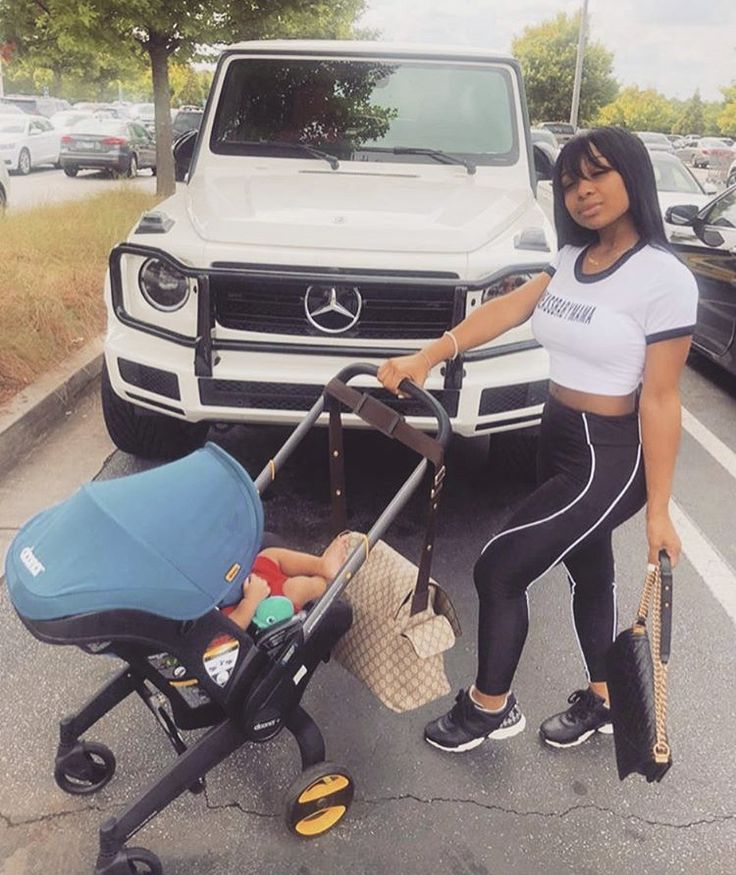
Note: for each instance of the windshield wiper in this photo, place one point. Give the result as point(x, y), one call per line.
point(435, 153)
point(285, 144)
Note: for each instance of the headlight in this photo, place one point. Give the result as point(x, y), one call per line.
point(164, 287)
point(505, 284)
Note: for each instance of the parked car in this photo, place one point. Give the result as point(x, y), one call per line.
point(676, 184)
point(187, 118)
point(316, 231)
point(731, 177)
point(145, 114)
point(107, 144)
point(711, 255)
point(655, 142)
point(10, 109)
point(563, 131)
point(27, 141)
point(36, 104)
point(4, 187)
point(710, 151)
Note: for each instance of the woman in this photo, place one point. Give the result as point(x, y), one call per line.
point(616, 311)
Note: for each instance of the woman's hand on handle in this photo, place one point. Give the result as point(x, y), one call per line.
point(661, 535)
point(414, 367)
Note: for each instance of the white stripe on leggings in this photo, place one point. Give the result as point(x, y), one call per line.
point(558, 512)
point(599, 520)
point(572, 611)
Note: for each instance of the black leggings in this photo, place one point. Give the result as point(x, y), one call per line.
point(591, 479)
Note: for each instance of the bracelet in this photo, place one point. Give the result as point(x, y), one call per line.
point(426, 359)
point(454, 343)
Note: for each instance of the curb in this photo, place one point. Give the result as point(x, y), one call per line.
point(30, 414)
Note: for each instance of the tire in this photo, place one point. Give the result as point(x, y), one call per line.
point(24, 162)
point(132, 170)
point(3, 200)
point(514, 454)
point(71, 171)
point(318, 799)
point(145, 433)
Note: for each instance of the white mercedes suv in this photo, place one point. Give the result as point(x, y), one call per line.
point(345, 201)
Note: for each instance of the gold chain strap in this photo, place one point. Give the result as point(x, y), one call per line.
point(652, 596)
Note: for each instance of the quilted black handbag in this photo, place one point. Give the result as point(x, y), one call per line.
point(637, 681)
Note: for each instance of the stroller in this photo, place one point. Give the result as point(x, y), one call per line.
point(136, 567)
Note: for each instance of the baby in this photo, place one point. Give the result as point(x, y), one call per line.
point(300, 577)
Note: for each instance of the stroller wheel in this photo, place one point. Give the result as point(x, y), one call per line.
point(318, 799)
point(143, 862)
point(85, 769)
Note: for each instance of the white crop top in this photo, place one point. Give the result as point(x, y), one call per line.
point(596, 327)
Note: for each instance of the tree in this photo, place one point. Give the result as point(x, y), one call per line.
point(692, 119)
point(727, 115)
point(639, 111)
point(547, 54)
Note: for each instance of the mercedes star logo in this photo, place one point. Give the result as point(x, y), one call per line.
point(333, 309)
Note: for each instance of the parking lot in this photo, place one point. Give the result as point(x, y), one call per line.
point(514, 807)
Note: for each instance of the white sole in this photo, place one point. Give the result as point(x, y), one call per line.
point(506, 732)
point(606, 729)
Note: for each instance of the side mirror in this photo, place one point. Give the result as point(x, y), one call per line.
point(707, 235)
point(681, 215)
point(183, 153)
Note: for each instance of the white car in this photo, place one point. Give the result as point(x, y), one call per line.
point(677, 185)
point(731, 178)
point(67, 118)
point(332, 214)
point(27, 141)
point(4, 187)
point(655, 142)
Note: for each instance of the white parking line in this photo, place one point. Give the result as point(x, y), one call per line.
point(706, 560)
point(715, 446)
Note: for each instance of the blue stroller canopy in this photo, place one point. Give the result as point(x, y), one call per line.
point(174, 541)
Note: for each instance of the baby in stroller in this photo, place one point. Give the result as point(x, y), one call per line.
point(278, 571)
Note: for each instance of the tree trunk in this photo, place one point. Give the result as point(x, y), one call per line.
point(165, 183)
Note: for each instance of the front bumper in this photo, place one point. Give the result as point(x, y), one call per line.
point(277, 380)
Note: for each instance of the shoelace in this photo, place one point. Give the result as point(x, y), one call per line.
point(581, 701)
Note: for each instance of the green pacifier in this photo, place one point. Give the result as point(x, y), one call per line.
point(273, 610)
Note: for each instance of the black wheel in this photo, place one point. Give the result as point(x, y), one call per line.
point(86, 769)
point(153, 171)
point(142, 862)
point(318, 799)
point(514, 453)
point(3, 200)
point(132, 167)
point(24, 162)
point(71, 171)
point(147, 434)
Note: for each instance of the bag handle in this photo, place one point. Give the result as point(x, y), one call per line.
point(657, 596)
point(393, 425)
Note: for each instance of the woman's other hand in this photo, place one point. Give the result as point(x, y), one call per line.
point(661, 535)
point(393, 371)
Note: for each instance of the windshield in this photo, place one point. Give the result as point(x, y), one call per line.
point(100, 126)
point(11, 127)
point(654, 138)
point(360, 110)
point(674, 176)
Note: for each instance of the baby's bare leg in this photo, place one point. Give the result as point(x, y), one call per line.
point(303, 588)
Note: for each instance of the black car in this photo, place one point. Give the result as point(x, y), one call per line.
point(711, 256)
point(122, 147)
point(186, 119)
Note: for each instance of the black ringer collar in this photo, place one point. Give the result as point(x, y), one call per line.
point(601, 275)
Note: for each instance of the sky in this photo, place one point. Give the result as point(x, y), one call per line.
point(673, 46)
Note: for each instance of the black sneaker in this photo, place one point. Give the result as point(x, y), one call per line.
point(466, 725)
point(587, 714)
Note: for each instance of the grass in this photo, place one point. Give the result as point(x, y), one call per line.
point(53, 260)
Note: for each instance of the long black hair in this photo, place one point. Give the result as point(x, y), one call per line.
point(626, 153)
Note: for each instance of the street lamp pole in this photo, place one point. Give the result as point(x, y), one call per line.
point(579, 66)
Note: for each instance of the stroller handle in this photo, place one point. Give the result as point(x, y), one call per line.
point(444, 427)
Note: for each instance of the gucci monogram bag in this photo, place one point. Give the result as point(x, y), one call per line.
point(396, 653)
point(637, 681)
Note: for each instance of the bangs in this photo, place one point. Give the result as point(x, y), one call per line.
point(579, 151)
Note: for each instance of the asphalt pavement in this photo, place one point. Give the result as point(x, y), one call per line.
point(514, 807)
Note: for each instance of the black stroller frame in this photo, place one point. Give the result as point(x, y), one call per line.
point(272, 670)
